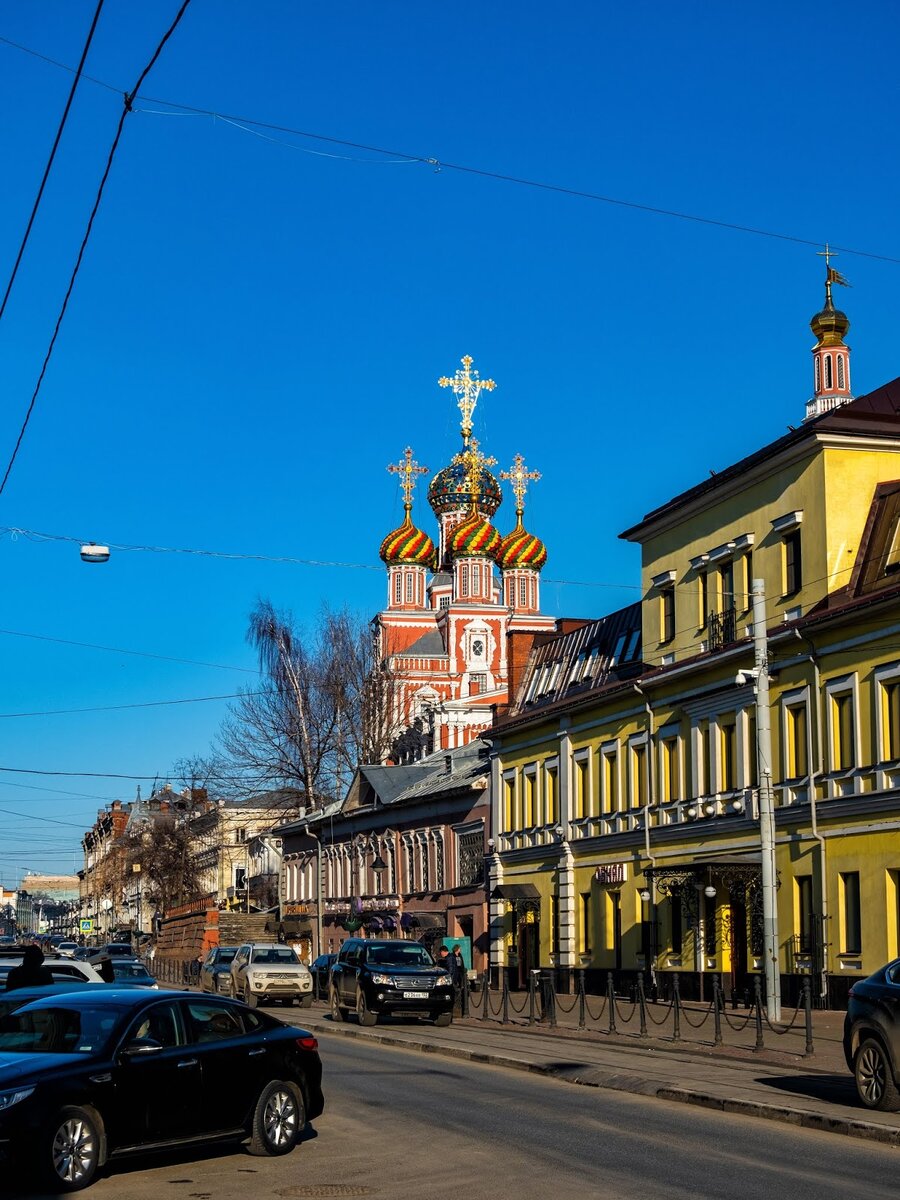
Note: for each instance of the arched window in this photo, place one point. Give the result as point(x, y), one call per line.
point(476, 579)
point(523, 592)
point(840, 367)
point(398, 588)
point(409, 587)
point(828, 375)
point(464, 580)
point(818, 373)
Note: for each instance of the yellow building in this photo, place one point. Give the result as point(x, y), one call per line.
point(625, 775)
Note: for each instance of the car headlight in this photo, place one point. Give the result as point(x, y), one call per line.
point(8, 1099)
point(383, 980)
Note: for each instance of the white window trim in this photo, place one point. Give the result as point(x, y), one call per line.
point(788, 523)
point(666, 733)
point(663, 579)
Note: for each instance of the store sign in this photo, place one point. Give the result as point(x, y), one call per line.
point(612, 873)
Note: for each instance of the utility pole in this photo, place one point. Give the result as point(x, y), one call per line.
point(766, 804)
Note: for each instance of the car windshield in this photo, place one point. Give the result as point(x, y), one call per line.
point(129, 970)
point(399, 956)
point(275, 954)
point(225, 956)
point(57, 1030)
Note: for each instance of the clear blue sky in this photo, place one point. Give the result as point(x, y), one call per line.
point(258, 329)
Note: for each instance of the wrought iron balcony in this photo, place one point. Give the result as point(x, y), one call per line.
point(722, 628)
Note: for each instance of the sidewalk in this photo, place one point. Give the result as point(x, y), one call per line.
point(816, 1093)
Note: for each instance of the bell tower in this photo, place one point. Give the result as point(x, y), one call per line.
point(831, 355)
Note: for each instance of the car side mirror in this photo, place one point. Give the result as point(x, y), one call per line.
point(140, 1047)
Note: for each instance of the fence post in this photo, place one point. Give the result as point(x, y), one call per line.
point(717, 1010)
point(549, 996)
point(581, 1000)
point(757, 1000)
point(676, 1008)
point(531, 997)
point(807, 1006)
point(643, 1004)
point(487, 995)
point(611, 998)
point(505, 997)
point(464, 995)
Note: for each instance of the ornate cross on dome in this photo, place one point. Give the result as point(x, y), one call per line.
point(519, 476)
point(475, 462)
point(408, 468)
point(467, 386)
point(832, 275)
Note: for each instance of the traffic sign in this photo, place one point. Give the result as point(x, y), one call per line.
point(85, 925)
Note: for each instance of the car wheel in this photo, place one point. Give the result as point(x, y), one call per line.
point(306, 1001)
point(278, 1119)
point(874, 1077)
point(443, 1020)
point(364, 1015)
point(71, 1149)
point(249, 999)
point(338, 1012)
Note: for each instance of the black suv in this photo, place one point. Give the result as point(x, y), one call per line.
point(374, 977)
point(872, 1038)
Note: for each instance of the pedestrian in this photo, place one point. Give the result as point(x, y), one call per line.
point(457, 967)
point(443, 959)
point(31, 972)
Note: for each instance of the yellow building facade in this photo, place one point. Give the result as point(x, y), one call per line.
point(625, 785)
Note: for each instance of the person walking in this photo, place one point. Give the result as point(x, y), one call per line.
point(443, 959)
point(457, 968)
point(31, 972)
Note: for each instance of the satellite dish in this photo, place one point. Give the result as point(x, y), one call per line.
point(92, 553)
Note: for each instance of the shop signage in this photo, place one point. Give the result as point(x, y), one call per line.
point(299, 910)
point(612, 873)
point(377, 904)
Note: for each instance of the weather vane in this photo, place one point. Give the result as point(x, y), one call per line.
point(408, 469)
point(467, 386)
point(832, 275)
point(519, 476)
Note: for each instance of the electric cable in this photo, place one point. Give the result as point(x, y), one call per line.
point(48, 167)
point(126, 109)
point(57, 712)
point(191, 662)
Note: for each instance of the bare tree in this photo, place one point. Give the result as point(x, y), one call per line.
point(165, 854)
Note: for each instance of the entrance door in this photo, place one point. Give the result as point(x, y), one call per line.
point(616, 901)
point(737, 931)
point(529, 949)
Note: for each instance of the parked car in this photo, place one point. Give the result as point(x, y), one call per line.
point(118, 950)
point(61, 967)
point(67, 948)
point(94, 1074)
point(320, 969)
point(387, 977)
point(215, 971)
point(872, 1038)
point(262, 971)
point(131, 972)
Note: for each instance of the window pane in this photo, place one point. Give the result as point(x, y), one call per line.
point(850, 914)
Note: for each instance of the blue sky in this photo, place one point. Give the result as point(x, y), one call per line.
point(258, 326)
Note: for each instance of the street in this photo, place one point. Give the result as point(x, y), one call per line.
point(399, 1123)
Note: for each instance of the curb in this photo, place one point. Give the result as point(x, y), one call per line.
point(587, 1076)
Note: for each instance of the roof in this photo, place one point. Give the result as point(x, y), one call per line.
point(448, 771)
point(877, 414)
point(390, 782)
point(429, 645)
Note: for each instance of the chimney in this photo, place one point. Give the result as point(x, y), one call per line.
point(448, 764)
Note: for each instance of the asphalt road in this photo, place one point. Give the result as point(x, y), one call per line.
point(400, 1124)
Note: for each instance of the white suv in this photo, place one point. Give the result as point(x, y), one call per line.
point(263, 971)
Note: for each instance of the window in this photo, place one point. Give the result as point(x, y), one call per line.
point(464, 579)
point(410, 865)
point(554, 922)
point(726, 585)
point(610, 780)
point(892, 554)
point(710, 926)
point(523, 592)
point(240, 834)
point(753, 781)
point(211, 1022)
point(843, 750)
point(528, 815)
point(444, 602)
point(704, 599)
point(671, 772)
point(796, 761)
point(398, 587)
point(728, 735)
point(470, 863)
point(818, 373)
point(424, 857)
point(851, 925)
point(805, 913)
point(828, 372)
point(667, 612)
point(704, 777)
point(551, 796)
point(893, 917)
point(439, 881)
point(476, 579)
point(677, 923)
point(747, 599)
point(409, 587)
point(793, 563)
point(477, 684)
point(890, 720)
point(509, 803)
point(582, 785)
point(240, 878)
point(638, 774)
point(840, 371)
point(160, 1023)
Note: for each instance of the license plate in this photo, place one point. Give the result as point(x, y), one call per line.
point(415, 995)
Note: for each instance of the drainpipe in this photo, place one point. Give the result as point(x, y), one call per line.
point(815, 768)
point(651, 776)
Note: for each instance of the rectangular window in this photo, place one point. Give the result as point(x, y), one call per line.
point(582, 784)
point(638, 775)
point(398, 588)
point(851, 923)
point(793, 563)
point(671, 772)
point(804, 913)
point(409, 587)
point(523, 593)
point(842, 732)
point(704, 599)
point(464, 579)
point(470, 858)
point(726, 585)
point(796, 759)
point(728, 734)
point(610, 781)
point(890, 720)
point(551, 796)
point(667, 612)
point(893, 913)
point(584, 938)
point(746, 599)
point(528, 815)
point(751, 742)
point(509, 803)
point(424, 851)
point(704, 777)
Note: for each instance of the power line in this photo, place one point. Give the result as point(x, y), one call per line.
point(191, 662)
point(47, 168)
point(78, 774)
point(439, 164)
point(58, 712)
point(126, 109)
point(47, 820)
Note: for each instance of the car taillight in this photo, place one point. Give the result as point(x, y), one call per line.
point(308, 1043)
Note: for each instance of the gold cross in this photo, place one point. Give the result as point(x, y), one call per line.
point(828, 254)
point(467, 386)
point(408, 468)
point(475, 462)
point(519, 476)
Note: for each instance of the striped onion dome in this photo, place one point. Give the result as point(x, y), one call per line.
point(474, 537)
point(408, 546)
point(521, 549)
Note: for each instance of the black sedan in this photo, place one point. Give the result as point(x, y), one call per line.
point(88, 1075)
point(320, 969)
point(872, 1038)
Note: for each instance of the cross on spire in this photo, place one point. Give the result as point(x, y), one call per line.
point(467, 386)
point(519, 476)
point(408, 468)
point(832, 274)
point(475, 462)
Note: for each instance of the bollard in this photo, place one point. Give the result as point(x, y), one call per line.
point(581, 1000)
point(717, 1011)
point(676, 1008)
point(505, 997)
point(643, 1004)
point(807, 1008)
point(757, 1000)
point(611, 998)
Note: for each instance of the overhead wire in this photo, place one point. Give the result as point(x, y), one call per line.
point(126, 109)
point(59, 132)
point(191, 662)
point(57, 712)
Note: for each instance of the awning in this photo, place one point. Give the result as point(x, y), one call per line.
point(295, 925)
point(515, 891)
point(423, 920)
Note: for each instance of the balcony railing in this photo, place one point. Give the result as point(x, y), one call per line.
point(722, 628)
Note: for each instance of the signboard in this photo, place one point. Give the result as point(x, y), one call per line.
point(612, 873)
point(85, 925)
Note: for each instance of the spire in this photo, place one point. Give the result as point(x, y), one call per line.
point(468, 387)
point(831, 355)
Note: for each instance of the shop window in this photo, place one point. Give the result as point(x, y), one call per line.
point(675, 915)
point(804, 885)
point(554, 922)
point(850, 916)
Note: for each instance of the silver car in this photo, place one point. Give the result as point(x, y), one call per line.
point(262, 971)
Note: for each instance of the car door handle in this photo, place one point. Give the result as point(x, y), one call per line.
point(188, 1062)
point(106, 1077)
point(254, 1053)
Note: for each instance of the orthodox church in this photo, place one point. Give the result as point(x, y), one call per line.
point(454, 607)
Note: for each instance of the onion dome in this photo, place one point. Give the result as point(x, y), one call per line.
point(474, 537)
point(521, 549)
point(408, 546)
point(451, 489)
point(830, 326)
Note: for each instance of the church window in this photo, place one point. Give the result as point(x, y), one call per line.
point(398, 588)
point(444, 602)
point(464, 579)
point(523, 593)
point(828, 383)
point(476, 578)
point(818, 373)
point(840, 371)
point(409, 587)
